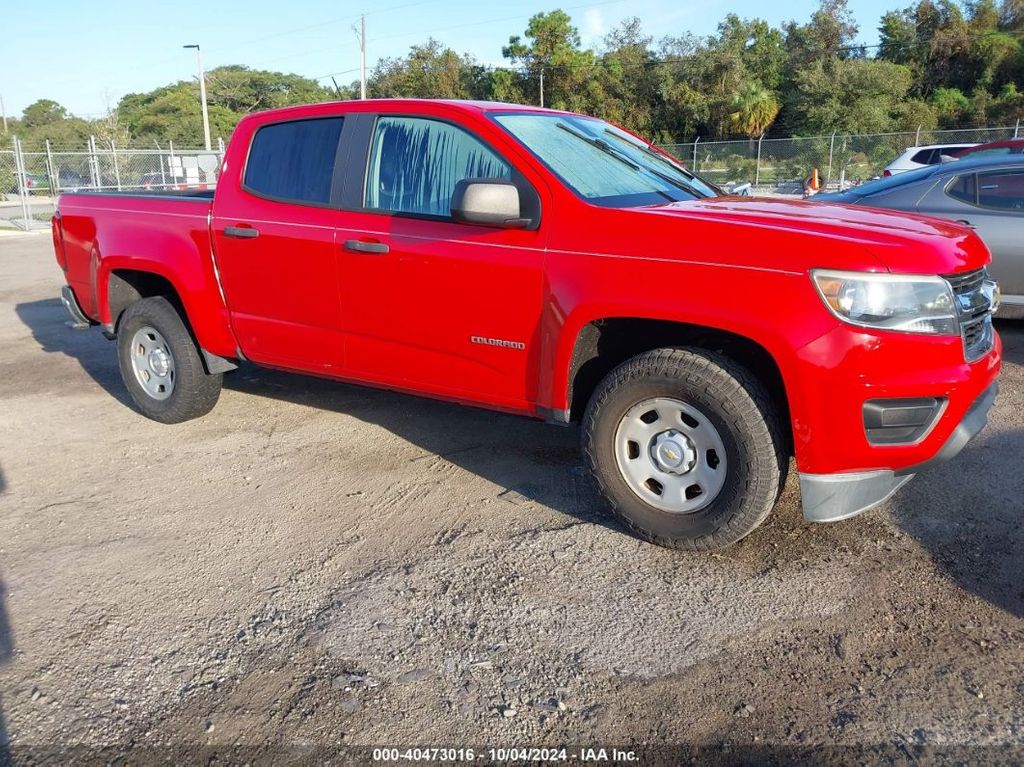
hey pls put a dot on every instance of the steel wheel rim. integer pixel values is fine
(671, 455)
(152, 362)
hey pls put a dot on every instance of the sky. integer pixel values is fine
(86, 56)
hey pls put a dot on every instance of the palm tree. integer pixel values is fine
(754, 109)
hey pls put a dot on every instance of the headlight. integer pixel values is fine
(903, 302)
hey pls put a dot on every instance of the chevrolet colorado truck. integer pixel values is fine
(553, 265)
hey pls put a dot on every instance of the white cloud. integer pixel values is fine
(593, 26)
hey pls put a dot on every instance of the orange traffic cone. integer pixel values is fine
(815, 181)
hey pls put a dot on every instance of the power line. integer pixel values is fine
(325, 23)
(498, 21)
(447, 28)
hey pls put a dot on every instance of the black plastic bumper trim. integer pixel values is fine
(900, 421)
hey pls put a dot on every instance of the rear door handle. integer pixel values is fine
(241, 232)
(366, 247)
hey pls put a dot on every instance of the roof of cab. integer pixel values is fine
(396, 105)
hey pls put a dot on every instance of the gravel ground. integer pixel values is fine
(316, 564)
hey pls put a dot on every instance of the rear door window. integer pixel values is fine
(294, 161)
(963, 188)
(1002, 189)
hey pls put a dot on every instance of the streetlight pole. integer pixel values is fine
(202, 95)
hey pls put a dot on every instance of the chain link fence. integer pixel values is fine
(30, 181)
(842, 160)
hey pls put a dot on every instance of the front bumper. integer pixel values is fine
(832, 497)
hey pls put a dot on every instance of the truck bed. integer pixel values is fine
(147, 193)
(166, 233)
(126, 225)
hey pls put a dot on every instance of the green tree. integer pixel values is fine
(755, 107)
(855, 96)
(429, 71)
(552, 45)
(242, 90)
(43, 112)
(626, 82)
(897, 37)
(46, 120)
(951, 106)
(813, 52)
(174, 112)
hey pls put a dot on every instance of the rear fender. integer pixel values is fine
(199, 295)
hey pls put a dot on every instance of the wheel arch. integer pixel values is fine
(128, 284)
(603, 343)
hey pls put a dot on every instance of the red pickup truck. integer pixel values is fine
(553, 265)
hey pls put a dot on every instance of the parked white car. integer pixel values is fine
(921, 157)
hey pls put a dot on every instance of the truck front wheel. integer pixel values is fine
(686, 447)
(160, 363)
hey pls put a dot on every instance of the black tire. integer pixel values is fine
(194, 391)
(734, 402)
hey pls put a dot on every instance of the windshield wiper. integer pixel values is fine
(663, 176)
(601, 144)
(607, 148)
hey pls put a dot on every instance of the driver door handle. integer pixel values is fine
(966, 223)
(241, 232)
(360, 246)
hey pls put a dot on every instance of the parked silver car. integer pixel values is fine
(986, 194)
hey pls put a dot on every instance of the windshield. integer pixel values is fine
(603, 164)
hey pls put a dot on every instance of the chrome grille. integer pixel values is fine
(966, 281)
(973, 292)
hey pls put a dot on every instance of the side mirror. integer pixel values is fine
(488, 202)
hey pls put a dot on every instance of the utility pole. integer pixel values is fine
(202, 95)
(542, 87)
(361, 35)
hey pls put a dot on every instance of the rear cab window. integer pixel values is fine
(294, 161)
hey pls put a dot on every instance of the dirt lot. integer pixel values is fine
(321, 564)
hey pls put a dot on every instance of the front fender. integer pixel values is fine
(777, 310)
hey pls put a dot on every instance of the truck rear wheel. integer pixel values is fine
(686, 447)
(160, 363)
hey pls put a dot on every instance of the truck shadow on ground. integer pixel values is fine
(534, 461)
(528, 460)
(47, 319)
(6, 651)
(968, 513)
